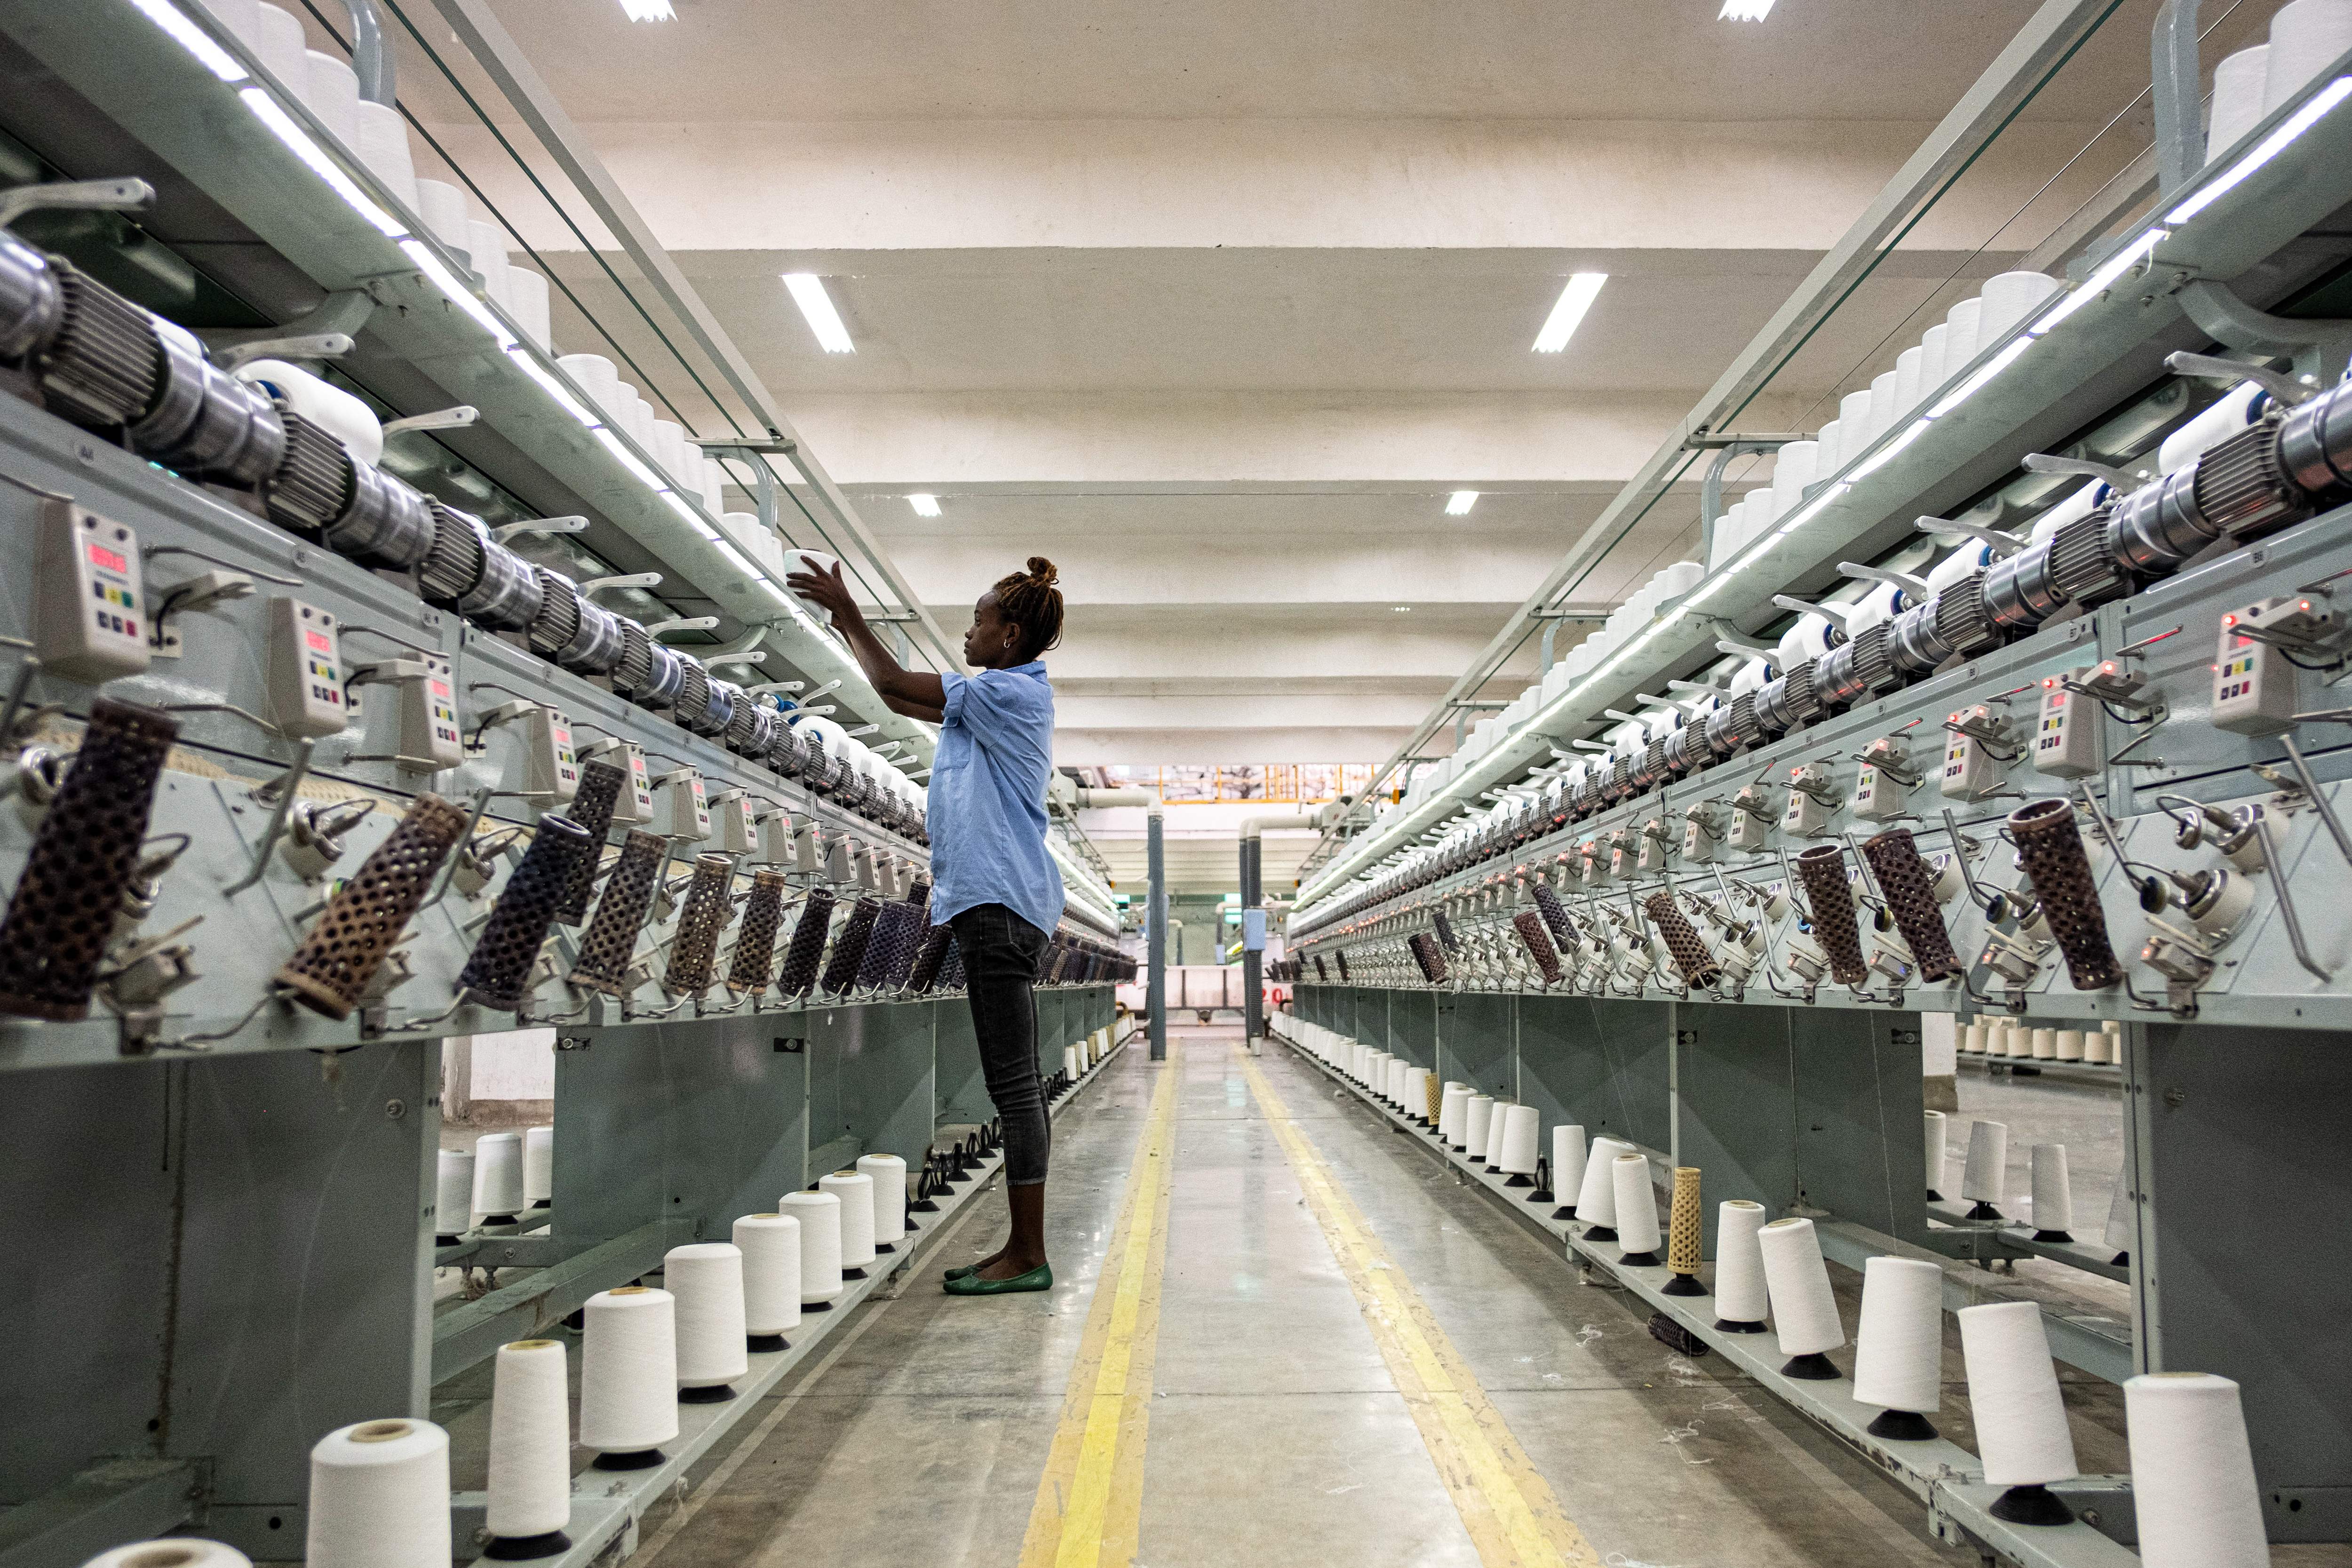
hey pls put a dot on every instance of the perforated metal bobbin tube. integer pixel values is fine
(918, 931)
(591, 807)
(498, 974)
(330, 972)
(929, 959)
(1909, 887)
(805, 952)
(849, 946)
(84, 853)
(694, 947)
(1822, 870)
(1538, 941)
(1554, 913)
(755, 947)
(2049, 847)
(892, 925)
(610, 943)
(1682, 942)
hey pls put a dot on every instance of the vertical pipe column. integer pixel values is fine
(1253, 961)
(1155, 937)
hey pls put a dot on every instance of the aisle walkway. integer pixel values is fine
(1279, 1334)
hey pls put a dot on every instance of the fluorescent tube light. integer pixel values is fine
(193, 38)
(626, 458)
(924, 505)
(2301, 120)
(816, 308)
(457, 294)
(1744, 10)
(1459, 503)
(657, 10)
(266, 109)
(1568, 313)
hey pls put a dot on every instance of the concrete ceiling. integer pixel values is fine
(1214, 304)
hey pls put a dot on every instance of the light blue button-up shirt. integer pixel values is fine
(987, 807)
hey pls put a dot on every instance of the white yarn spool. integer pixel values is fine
(2070, 1045)
(1070, 1063)
(1637, 1208)
(530, 1441)
(771, 1245)
(1885, 393)
(1907, 389)
(1567, 1165)
(1804, 1308)
(538, 1166)
(384, 148)
(1477, 1122)
(889, 1175)
(283, 50)
(1498, 1121)
(241, 18)
(714, 485)
(441, 206)
(1453, 1117)
(1522, 1139)
(2239, 82)
(1795, 465)
(1854, 426)
(485, 247)
(380, 1497)
(1985, 1179)
(2009, 300)
(669, 445)
(706, 1280)
(820, 1216)
(329, 407)
(856, 1191)
(453, 1196)
(173, 1551)
(1933, 370)
(331, 90)
(816, 563)
(2044, 1047)
(1831, 436)
(1898, 1345)
(628, 1375)
(1936, 1124)
(1741, 1296)
(498, 1176)
(1596, 1196)
(1972, 1039)
(2021, 1420)
(1961, 341)
(2053, 1197)
(528, 301)
(2193, 1473)
(2305, 37)
(2225, 416)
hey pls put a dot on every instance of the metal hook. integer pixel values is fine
(283, 786)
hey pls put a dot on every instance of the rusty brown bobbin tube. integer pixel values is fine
(1822, 870)
(2049, 847)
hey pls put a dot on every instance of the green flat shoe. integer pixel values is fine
(960, 1273)
(1038, 1279)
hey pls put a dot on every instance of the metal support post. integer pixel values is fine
(1155, 937)
(1253, 961)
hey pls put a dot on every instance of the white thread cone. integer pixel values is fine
(498, 1174)
(538, 1165)
(173, 1551)
(706, 1280)
(1985, 1181)
(531, 1440)
(820, 1217)
(2020, 1418)
(2237, 108)
(380, 1497)
(1453, 1116)
(1522, 1139)
(628, 1369)
(1498, 1121)
(1898, 1345)
(1804, 1309)
(856, 1191)
(1637, 1204)
(384, 148)
(1934, 1131)
(2053, 1197)
(889, 1175)
(771, 1245)
(452, 1197)
(2193, 1473)
(1596, 1199)
(1477, 1118)
(1740, 1294)
(2306, 35)
(1567, 1162)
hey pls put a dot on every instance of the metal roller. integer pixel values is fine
(752, 732)
(705, 707)
(313, 482)
(387, 524)
(506, 596)
(2020, 593)
(2314, 442)
(32, 305)
(454, 563)
(2049, 847)
(558, 622)
(785, 753)
(103, 365)
(597, 647)
(665, 673)
(2083, 568)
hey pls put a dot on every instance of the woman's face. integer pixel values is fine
(992, 641)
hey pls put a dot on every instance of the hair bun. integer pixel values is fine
(1041, 572)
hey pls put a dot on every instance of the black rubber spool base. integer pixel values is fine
(1985, 1210)
(1728, 1326)
(853, 1273)
(522, 1548)
(444, 1238)
(716, 1394)
(1542, 1195)
(2031, 1505)
(922, 1206)
(1641, 1260)
(497, 1219)
(636, 1459)
(2052, 1236)
(766, 1344)
(816, 1306)
(1477, 1159)
(1565, 1211)
(1902, 1426)
(1813, 1368)
(1934, 1196)
(1520, 1181)
(1601, 1232)
(1682, 1285)
(880, 1246)
(544, 1203)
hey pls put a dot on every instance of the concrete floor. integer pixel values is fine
(1276, 1431)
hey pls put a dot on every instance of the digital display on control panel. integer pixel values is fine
(319, 642)
(108, 560)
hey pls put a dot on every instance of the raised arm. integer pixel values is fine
(916, 693)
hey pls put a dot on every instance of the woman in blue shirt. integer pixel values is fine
(991, 879)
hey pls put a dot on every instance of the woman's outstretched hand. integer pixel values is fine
(828, 593)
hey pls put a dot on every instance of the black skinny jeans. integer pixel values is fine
(1000, 968)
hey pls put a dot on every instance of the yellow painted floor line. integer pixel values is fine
(1090, 1500)
(1506, 1506)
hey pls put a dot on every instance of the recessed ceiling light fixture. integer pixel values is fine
(1568, 313)
(1459, 503)
(657, 10)
(1744, 10)
(1404, 609)
(924, 505)
(816, 308)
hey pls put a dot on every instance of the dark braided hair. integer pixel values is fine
(1030, 601)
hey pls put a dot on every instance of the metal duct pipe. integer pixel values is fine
(1093, 799)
